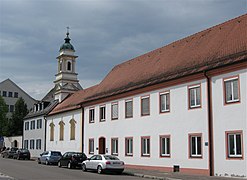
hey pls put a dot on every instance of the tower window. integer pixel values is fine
(69, 66)
(60, 66)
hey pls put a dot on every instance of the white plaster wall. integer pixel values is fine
(178, 124)
(8, 141)
(66, 144)
(229, 118)
(35, 134)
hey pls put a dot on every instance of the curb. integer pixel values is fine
(146, 176)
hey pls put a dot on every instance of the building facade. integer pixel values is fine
(34, 127)
(11, 92)
(181, 107)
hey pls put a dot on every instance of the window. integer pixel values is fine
(69, 66)
(26, 125)
(4, 93)
(114, 146)
(91, 115)
(61, 130)
(11, 108)
(145, 106)
(145, 146)
(102, 113)
(114, 111)
(32, 125)
(10, 94)
(38, 143)
(195, 145)
(72, 129)
(231, 87)
(16, 95)
(234, 144)
(128, 109)
(164, 102)
(164, 146)
(32, 144)
(60, 66)
(52, 132)
(39, 123)
(25, 144)
(129, 146)
(91, 146)
(195, 96)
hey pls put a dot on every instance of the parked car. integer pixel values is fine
(49, 157)
(22, 154)
(9, 152)
(72, 159)
(103, 163)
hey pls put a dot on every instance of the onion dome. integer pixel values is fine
(66, 45)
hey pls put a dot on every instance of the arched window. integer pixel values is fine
(60, 66)
(52, 131)
(61, 134)
(72, 129)
(69, 66)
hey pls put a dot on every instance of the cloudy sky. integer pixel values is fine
(103, 32)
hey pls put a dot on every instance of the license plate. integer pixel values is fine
(116, 163)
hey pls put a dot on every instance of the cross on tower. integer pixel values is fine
(68, 30)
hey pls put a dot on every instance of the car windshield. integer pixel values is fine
(56, 154)
(107, 157)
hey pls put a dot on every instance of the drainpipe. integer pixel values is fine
(82, 128)
(45, 134)
(210, 125)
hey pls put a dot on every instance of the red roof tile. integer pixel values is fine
(73, 101)
(220, 45)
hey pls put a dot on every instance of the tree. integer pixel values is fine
(16, 123)
(3, 117)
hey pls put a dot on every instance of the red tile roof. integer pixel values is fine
(217, 46)
(73, 101)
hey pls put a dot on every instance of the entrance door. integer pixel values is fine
(101, 145)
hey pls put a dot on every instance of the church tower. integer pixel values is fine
(66, 78)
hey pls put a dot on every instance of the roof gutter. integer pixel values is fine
(210, 124)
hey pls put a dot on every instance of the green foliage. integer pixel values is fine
(16, 122)
(3, 118)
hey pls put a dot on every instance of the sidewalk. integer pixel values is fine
(171, 176)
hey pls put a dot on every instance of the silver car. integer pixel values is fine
(103, 163)
(49, 157)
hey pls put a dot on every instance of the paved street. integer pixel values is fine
(25, 170)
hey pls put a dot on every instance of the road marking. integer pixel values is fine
(5, 176)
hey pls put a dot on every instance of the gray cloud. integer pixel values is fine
(103, 32)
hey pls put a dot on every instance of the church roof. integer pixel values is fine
(214, 47)
(73, 100)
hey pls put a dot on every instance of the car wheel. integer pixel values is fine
(84, 168)
(69, 165)
(59, 164)
(99, 169)
(46, 162)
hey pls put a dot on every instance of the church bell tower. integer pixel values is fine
(66, 78)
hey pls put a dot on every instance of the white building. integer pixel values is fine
(181, 107)
(34, 127)
(11, 92)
